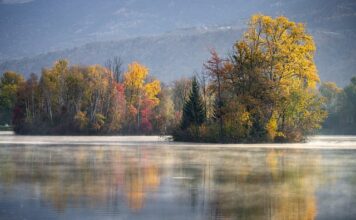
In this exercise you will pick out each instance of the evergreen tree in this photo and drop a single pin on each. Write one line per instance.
(193, 110)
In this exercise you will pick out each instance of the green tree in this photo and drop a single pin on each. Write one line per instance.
(341, 107)
(193, 110)
(331, 92)
(348, 111)
(9, 84)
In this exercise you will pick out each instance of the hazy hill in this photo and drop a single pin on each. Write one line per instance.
(31, 27)
(168, 57)
(171, 56)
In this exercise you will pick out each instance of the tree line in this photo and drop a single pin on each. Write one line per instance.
(85, 100)
(265, 90)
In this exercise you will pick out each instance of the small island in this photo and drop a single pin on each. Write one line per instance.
(265, 90)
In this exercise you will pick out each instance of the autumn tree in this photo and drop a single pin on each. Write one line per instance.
(163, 113)
(216, 70)
(141, 96)
(266, 89)
(69, 99)
(89, 99)
(274, 77)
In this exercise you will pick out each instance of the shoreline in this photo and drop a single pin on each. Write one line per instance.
(332, 142)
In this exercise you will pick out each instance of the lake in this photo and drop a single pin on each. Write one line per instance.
(108, 177)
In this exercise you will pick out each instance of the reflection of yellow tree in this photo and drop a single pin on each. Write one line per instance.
(139, 180)
(272, 163)
(152, 176)
(80, 176)
(295, 198)
(275, 185)
(134, 187)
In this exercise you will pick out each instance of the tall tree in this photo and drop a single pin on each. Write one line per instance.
(193, 110)
(215, 69)
(273, 76)
(138, 92)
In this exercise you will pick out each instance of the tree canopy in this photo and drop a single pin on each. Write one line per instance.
(266, 90)
(87, 99)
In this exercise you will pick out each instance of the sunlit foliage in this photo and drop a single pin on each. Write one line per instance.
(266, 90)
(86, 99)
(141, 97)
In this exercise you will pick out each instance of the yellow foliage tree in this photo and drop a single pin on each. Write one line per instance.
(271, 77)
(137, 90)
(152, 89)
(135, 76)
(287, 49)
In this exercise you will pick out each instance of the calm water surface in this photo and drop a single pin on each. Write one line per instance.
(148, 178)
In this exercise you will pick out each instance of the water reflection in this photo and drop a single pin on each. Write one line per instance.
(175, 182)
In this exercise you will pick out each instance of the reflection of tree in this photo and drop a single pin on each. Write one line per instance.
(296, 198)
(134, 187)
(141, 176)
(281, 188)
(81, 176)
(238, 184)
(226, 184)
(7, 171)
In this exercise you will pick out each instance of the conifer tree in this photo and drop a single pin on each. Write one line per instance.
(193, 110)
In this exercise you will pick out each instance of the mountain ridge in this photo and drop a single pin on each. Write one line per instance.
(174, 55)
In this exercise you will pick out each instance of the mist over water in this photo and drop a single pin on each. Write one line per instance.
(109, 177)
(329, 141)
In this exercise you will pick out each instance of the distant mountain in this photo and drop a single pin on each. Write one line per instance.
(172, 37)
(168, 57)
(174, 55)
(37, 26)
